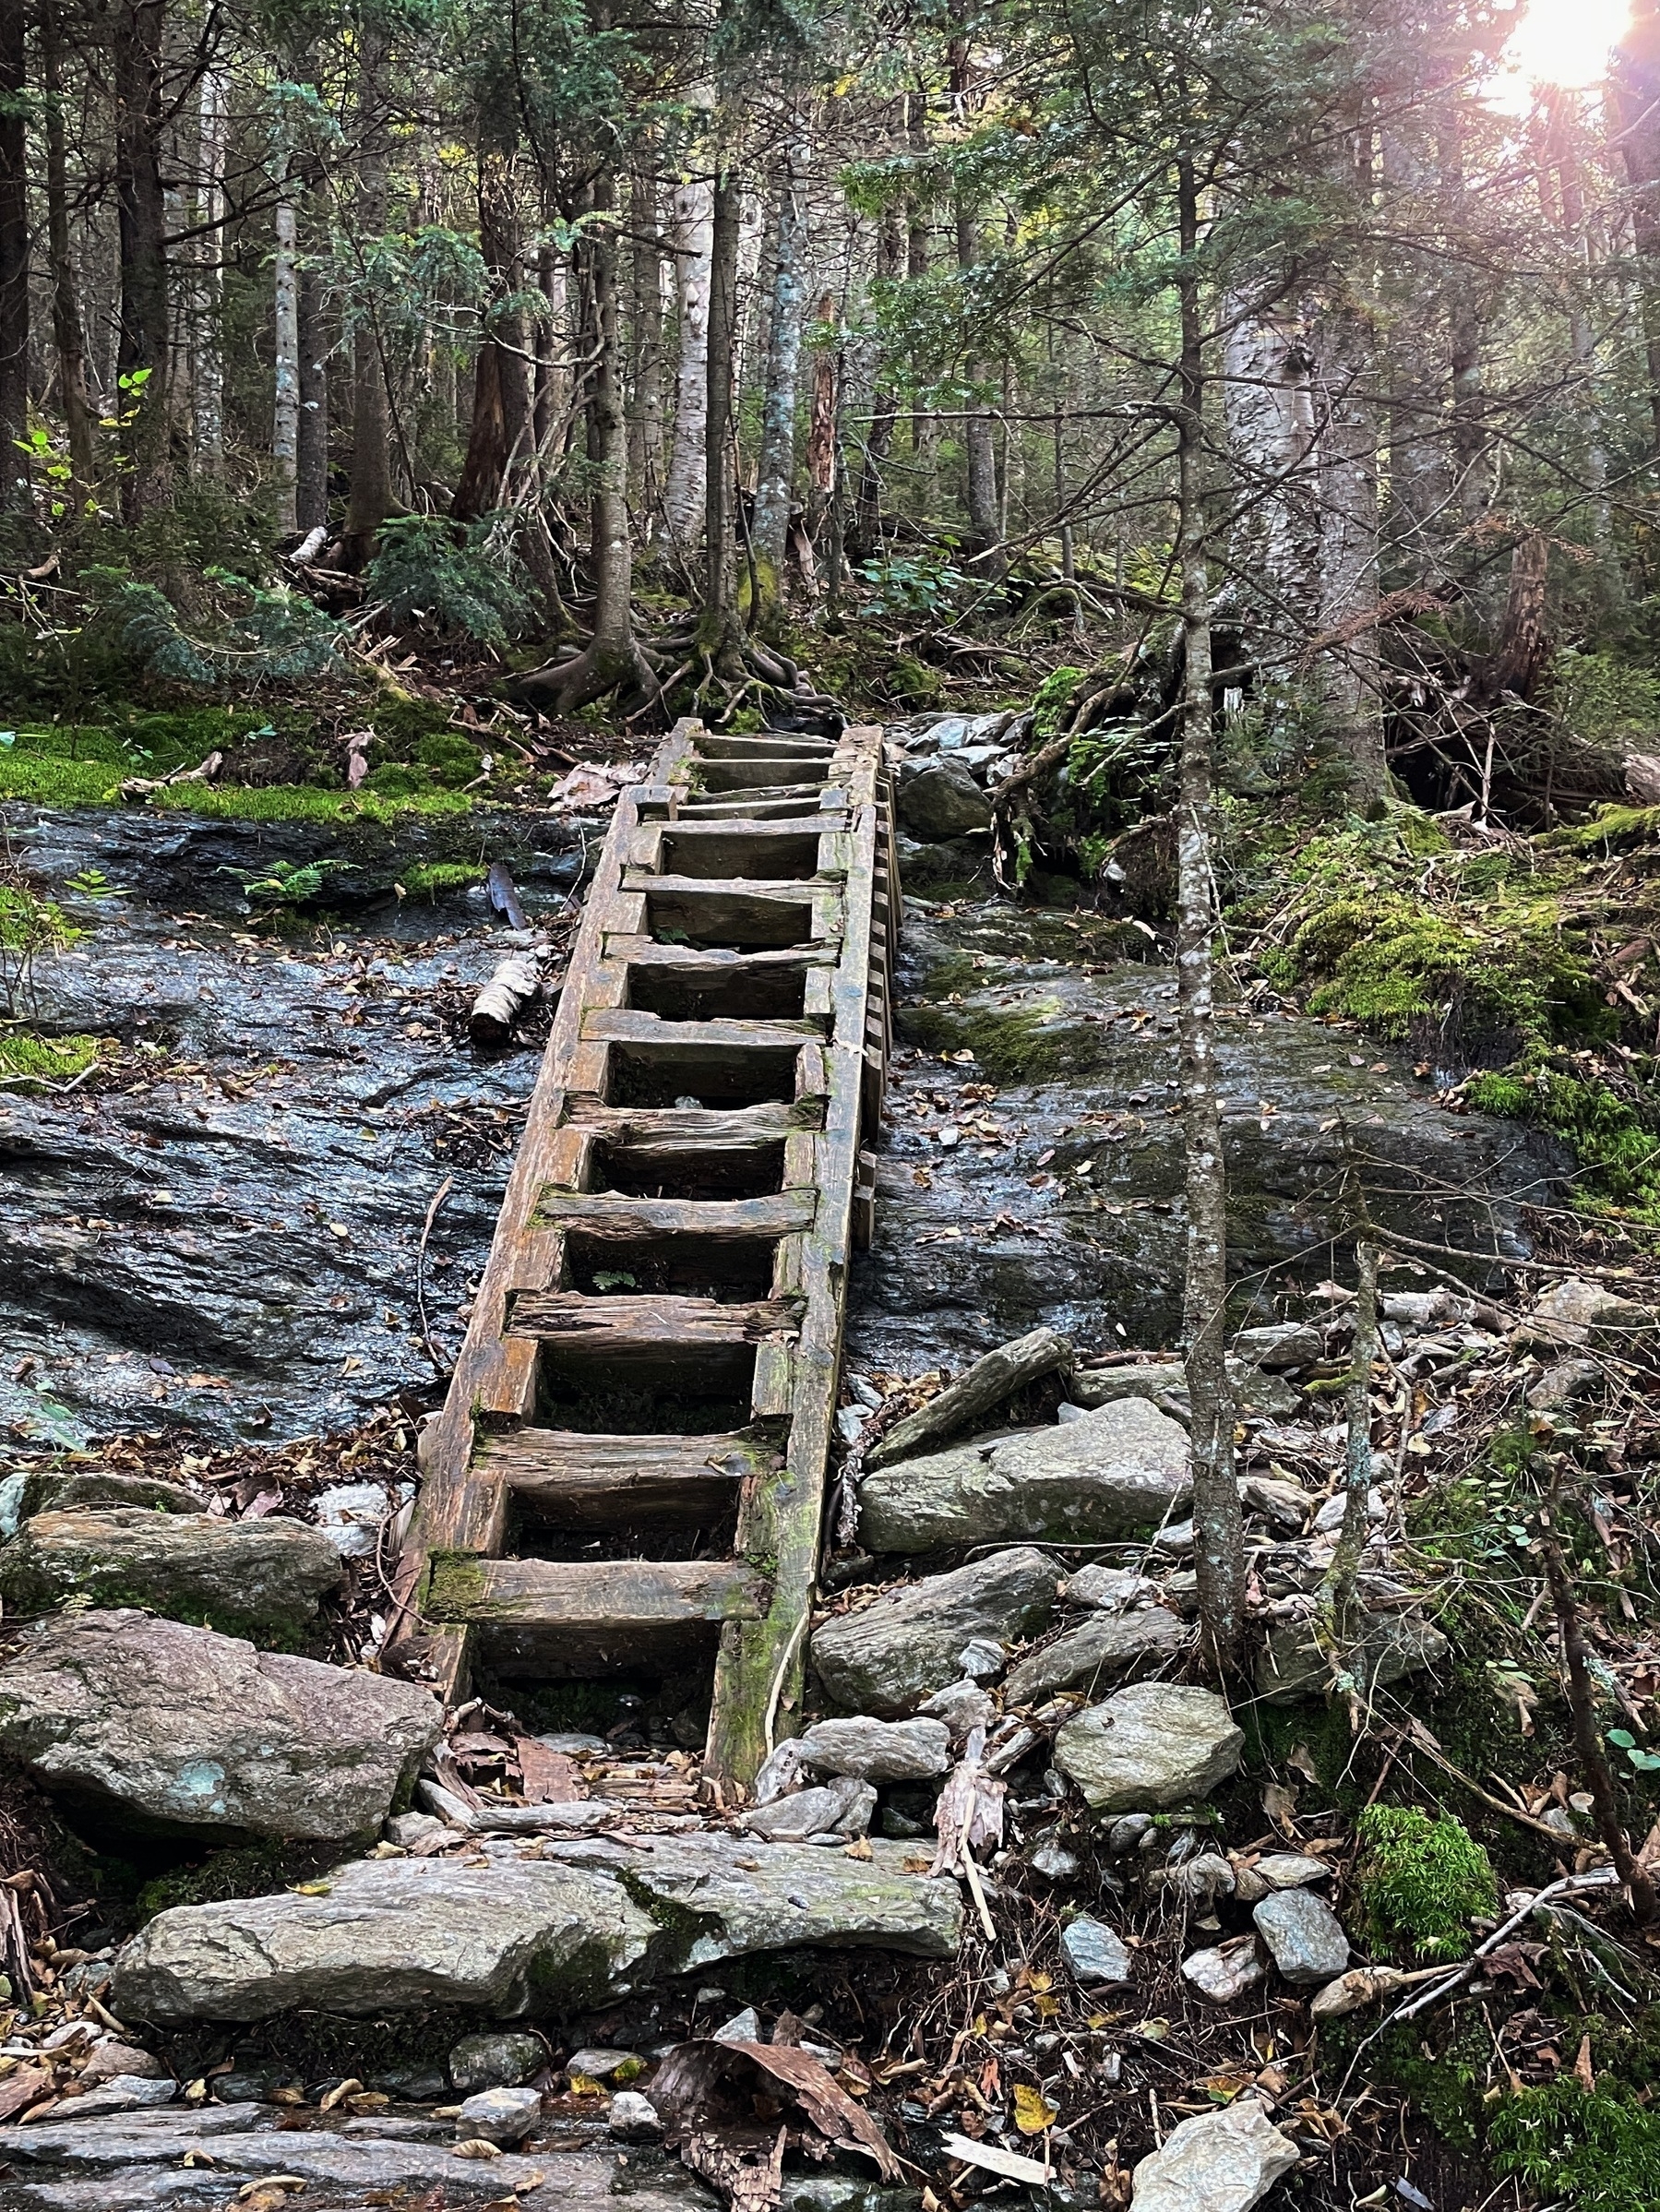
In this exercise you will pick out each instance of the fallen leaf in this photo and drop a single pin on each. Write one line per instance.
(476, 2148)
(1033, 2111)
(1009, 2163)
(338, 2094)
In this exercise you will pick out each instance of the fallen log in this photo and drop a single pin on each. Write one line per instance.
(516, 985)
(996, 1376)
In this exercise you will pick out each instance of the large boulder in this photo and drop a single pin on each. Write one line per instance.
(1575, 1315)
(1108, 1647)
(878, 1750)
(1119, 1469)
(580, 1925)
(253, 1578)
(889, 1657)
(41, 1490)
(1291, 1667)
(168, 1727)
(943, 800)
(1149, 1747)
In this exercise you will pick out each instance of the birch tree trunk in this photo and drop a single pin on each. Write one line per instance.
(684, 491)
(1351, 659)
(285, 425)
(719, 628)
(311, 462)
(775, 472)
(645, 411)
(1218, 1526)
(1269, 409)
(207, 409)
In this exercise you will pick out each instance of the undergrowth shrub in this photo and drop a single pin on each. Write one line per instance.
(460, 580)
(1598, 2150)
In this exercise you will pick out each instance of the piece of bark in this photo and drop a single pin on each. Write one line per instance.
(504, 997)
(1642, 778)
(996, 1376)
(504, 894)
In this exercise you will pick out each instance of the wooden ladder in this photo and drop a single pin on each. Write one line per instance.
(654, 1348)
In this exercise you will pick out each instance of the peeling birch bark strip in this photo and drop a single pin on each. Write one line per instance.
(514, 986)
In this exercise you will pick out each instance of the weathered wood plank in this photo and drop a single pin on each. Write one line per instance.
(581, 1481)
(604, 1594)
(629, 1025)
(651, 1130)
(635, 1327)
(613, 1217)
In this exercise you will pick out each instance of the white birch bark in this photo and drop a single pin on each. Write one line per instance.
(208, 366)
(1268, 403)
(285, 425)
(693, 224)
(776, 467)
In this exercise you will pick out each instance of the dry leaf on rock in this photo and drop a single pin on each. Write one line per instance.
(708, 2095)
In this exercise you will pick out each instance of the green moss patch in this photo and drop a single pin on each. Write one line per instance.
(1420, 1881)
(26, 1058)
(1598, 2152)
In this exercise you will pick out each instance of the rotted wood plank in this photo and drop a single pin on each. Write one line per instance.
(583, 1481)
(631, 1328)
(670, 1130)
(613, 1595)
(613, 1217)
(628, 1025)
(759, 1671)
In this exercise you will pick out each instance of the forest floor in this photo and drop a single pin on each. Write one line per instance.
(236, 1072)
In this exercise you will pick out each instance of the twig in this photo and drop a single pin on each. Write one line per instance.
(433, 1352)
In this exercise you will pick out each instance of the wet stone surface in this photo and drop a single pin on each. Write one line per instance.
(229, 1243)
(1031, 1168)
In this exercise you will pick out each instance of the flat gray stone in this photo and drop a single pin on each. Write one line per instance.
(1118, 1470)
(889, 1657)
(878, 1750)
(1291, 1870)
(1104, 1649)
(253, 1578)
(39, 1491)
(1280, 1345)
(1106, 1589)
(1150, 1746)
(133, 2163)
(394, 1934)
(963, 1706)
(1157, 1380)
(725, 1896)
(843, 1807)
(601, 2066)
(1222, 2161)
(1095, 1954)
(500, 2060)
(1575, 1315)
(121, 2093)
(584, 1923)
(633, 2118)
(1291, 1667)
(500, 2116)
(140, 1718)
(1304, 1934)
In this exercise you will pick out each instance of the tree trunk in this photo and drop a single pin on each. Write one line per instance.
(1520, 654)
(369, 498)
(979, 439)
(1634, 86)
(498, 447)
(285, 425)
(1219, 1546)
(923, 456)
(14, 253)
(311, 468)
(1267, 404)
(719, 629)
(645, 412)
(684, 493)
(775, 471)
(821, 429)
(1351, 659)
(207, 379)
(552, 380)
(142, 353)
(67, 330)
(884, 412)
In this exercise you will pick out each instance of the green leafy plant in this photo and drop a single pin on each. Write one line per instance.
(1646, 1763)
(274, 636)
(921, 583)
(1420, 1881)
(429, 571)
(287, 882)
(1597, 2150)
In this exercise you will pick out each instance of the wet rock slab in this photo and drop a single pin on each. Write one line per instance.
(228, 1242)
(134, 2162)
(579, 1923)
(968, 1252)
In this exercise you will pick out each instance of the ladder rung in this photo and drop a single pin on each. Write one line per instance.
(675, 1130)
(628, 1025)
(614, 1217)
(588, 1596)
(633, 1327)
(566, 1476)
